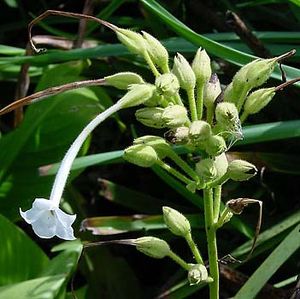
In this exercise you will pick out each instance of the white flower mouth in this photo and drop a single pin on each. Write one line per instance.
(48, 220)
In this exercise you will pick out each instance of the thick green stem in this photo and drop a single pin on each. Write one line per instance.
(200, 91)
(211, 243)
(183, 165)
(217, 202)
(210, 115)
(179, 261)
(174, 172)
(243, 116)
(192, 103)
(178, 99)
(151, 64)
(194, 249)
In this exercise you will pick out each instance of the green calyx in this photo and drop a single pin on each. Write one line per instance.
(201, 66)
(184, 72)
(175, 116)
(140, 155)
(151, 117)
(123, 80)
(153, 247)
(197, 273)
(177, 223)
(167, 85)
(240, 170)
(137, 94)
(199, 131)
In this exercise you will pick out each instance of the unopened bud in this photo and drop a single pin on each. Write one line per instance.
(141, 155)
(206, 169)
(258, 99)
(259, 71)
(175, 116)
(198, 273)
(153, 247)
(123, 80)
(151, 117)
(133, 41)
(159, 144)
(176, 222)
(199, 130)
(240, 170)
(158, 53)
(215, 145)
(137, 94)
(178, 135)
(211, 91)
(167, 84)
(221, 165)
(184, 73)
(154, 100)
(226, 114)
(201, 66)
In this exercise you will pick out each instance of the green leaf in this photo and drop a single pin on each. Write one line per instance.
(20, 258)
(52, 281)
(111, 225)
(266, 270)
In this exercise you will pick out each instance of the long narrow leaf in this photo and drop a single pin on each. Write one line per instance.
(285, 249)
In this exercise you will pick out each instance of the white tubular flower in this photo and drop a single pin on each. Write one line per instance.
(48, 220)
(45, 216)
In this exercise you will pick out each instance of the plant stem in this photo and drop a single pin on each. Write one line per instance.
(212, 243)
(183, 165)
(200, 91)
(151, 64)
(210, 115)
(174, 172)
(217, 202)
(194, 249)
(178, 99)
(177, 259)
(243, 116)
(192, 103)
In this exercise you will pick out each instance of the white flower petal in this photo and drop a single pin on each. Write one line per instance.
(64, 229)
(48, 220)
(45, 226)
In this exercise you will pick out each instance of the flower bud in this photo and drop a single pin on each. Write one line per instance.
(151, 117)
(199, 130)
(215, 145)
(159, 144)
(240, 170)
(221, 165)
(211, 91)
(226, 115)
(133, 41)
(206, 169)
(258, 99)
(141, 155)
(153, 247)
(176, 222)
(184, 73)
(197, 274)
(259, 71)
(158, 53)
(167, 84)
(201, 66)
(123, 80)
(137, 94)
(178, 135)
(175, 116)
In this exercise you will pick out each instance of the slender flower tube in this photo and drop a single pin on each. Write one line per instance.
(45, 216)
